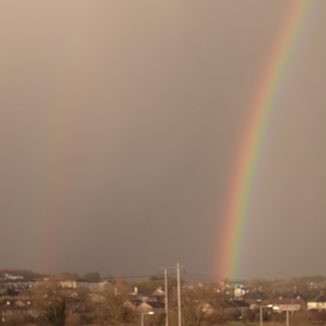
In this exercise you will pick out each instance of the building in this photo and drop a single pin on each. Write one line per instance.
(318, 303)
(289, 304)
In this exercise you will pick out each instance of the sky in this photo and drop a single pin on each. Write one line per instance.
(121, 123)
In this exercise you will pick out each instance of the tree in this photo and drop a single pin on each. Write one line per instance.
(148, 286)
(17, 319)
(55, 313)
(51, 301)
(201, 305)
(293, 285)
(74, 319)
(67, 277)
(260, 284)
(92, 277)
(111, 306)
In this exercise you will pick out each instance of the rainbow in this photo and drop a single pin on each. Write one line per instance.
(58, 148)
(235, 218)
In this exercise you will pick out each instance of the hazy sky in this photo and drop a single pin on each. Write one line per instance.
(121, 120)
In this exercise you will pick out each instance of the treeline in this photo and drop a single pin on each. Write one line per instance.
(96, 276)
(308, 286)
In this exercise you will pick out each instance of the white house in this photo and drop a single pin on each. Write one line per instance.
(317, 303)
(289, 304)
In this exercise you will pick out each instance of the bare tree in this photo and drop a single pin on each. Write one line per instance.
(111, 306)
(51, 302)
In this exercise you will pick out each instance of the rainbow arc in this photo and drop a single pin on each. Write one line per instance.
(241, 186)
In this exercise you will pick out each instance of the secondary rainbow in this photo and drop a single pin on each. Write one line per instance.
(266, 94)
(59, 144)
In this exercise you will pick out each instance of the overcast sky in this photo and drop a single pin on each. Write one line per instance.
(121, 120)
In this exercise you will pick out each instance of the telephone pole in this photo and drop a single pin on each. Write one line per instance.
(178, 267)
(179, 295)
(166, 305)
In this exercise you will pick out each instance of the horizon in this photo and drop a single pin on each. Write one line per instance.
(204, 278)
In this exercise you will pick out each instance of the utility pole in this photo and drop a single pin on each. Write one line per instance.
(166, 306)
(287, 318)
(178, 294)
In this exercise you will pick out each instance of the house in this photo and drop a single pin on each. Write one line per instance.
(234, 289)
(93, 286)
(254, 299)
(157, 305)
(239, 291)
(68, 284)
(10, 294)
(318, 303)
(289, 304)
(157, 295)
(144, 307)
(13, 277)
(18, 284)
(9, 309)
(236, 306)
(155, 302)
